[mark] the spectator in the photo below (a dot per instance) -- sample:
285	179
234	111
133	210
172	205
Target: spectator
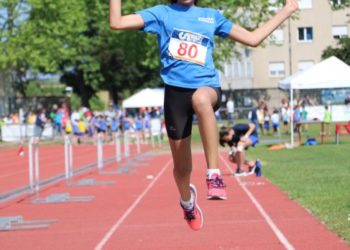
286	118
230	107
275	120
347	100
267	119
303	115
297	121
58	118
31	118
253	117
260	116
8	120
40	122
327	119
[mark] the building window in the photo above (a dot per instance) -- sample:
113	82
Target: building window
337	3
339	31
276	69
303	65
227	70
247	53
249	69
236	70
305	4
277	37
305	34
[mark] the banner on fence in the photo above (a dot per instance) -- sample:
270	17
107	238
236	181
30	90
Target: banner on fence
12	133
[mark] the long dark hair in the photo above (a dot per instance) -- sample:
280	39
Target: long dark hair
175	1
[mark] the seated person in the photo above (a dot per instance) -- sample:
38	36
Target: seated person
240	137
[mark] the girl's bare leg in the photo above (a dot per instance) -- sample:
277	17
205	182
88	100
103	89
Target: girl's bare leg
203	101
181	152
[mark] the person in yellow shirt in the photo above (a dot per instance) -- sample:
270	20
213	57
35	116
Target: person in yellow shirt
327	119
31	118
82	130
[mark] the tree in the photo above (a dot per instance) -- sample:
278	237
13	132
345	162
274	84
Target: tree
73	38
342	51
37	35
339	4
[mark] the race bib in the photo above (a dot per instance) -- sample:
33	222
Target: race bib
188	46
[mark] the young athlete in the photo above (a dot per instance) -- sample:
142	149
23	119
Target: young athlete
185	35
239	137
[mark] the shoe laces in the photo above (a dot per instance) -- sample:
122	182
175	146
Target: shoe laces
189	213
216	183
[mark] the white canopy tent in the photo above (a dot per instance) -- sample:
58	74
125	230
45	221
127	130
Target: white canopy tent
329	73
145	98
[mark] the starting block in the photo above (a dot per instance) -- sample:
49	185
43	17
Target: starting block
13	223
341	129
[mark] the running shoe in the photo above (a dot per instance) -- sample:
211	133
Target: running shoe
240	172
258	168
251	170
216	188
194	216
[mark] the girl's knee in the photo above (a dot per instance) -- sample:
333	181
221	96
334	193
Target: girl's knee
201	102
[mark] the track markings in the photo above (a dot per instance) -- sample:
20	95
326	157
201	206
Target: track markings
117	224
263	213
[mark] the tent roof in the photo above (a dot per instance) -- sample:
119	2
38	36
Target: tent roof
145	98
330	73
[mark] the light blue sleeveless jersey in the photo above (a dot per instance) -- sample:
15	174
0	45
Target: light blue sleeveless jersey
186	41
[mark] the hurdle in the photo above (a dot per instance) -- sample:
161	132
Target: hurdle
138	142
68	158
101	161
99	145
34	169
34	174
118	153
155	131
126	144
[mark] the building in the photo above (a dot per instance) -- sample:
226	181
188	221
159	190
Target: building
296	45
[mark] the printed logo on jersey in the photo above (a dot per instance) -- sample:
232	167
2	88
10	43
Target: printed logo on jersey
188	46
206	20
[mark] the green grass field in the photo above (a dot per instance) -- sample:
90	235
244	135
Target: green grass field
317	177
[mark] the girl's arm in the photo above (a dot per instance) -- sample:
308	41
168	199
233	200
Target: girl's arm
250	130
255	37
119	22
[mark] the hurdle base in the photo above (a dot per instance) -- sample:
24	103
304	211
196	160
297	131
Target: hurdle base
91	182
61	198
15	223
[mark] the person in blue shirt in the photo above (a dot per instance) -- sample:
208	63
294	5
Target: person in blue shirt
185	35
101	126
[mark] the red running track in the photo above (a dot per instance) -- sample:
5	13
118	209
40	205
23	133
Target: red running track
140	212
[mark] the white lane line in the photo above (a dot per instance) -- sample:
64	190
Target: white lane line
114	228
264	214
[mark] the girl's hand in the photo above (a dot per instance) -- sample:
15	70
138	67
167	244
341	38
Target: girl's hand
291	6
244	139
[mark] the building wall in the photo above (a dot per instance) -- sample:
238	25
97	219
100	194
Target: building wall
320	17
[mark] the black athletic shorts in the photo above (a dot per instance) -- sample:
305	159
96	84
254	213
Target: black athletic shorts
178	110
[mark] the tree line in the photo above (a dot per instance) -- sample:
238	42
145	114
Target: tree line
72	40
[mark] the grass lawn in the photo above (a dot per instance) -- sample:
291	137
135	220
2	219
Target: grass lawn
317	177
